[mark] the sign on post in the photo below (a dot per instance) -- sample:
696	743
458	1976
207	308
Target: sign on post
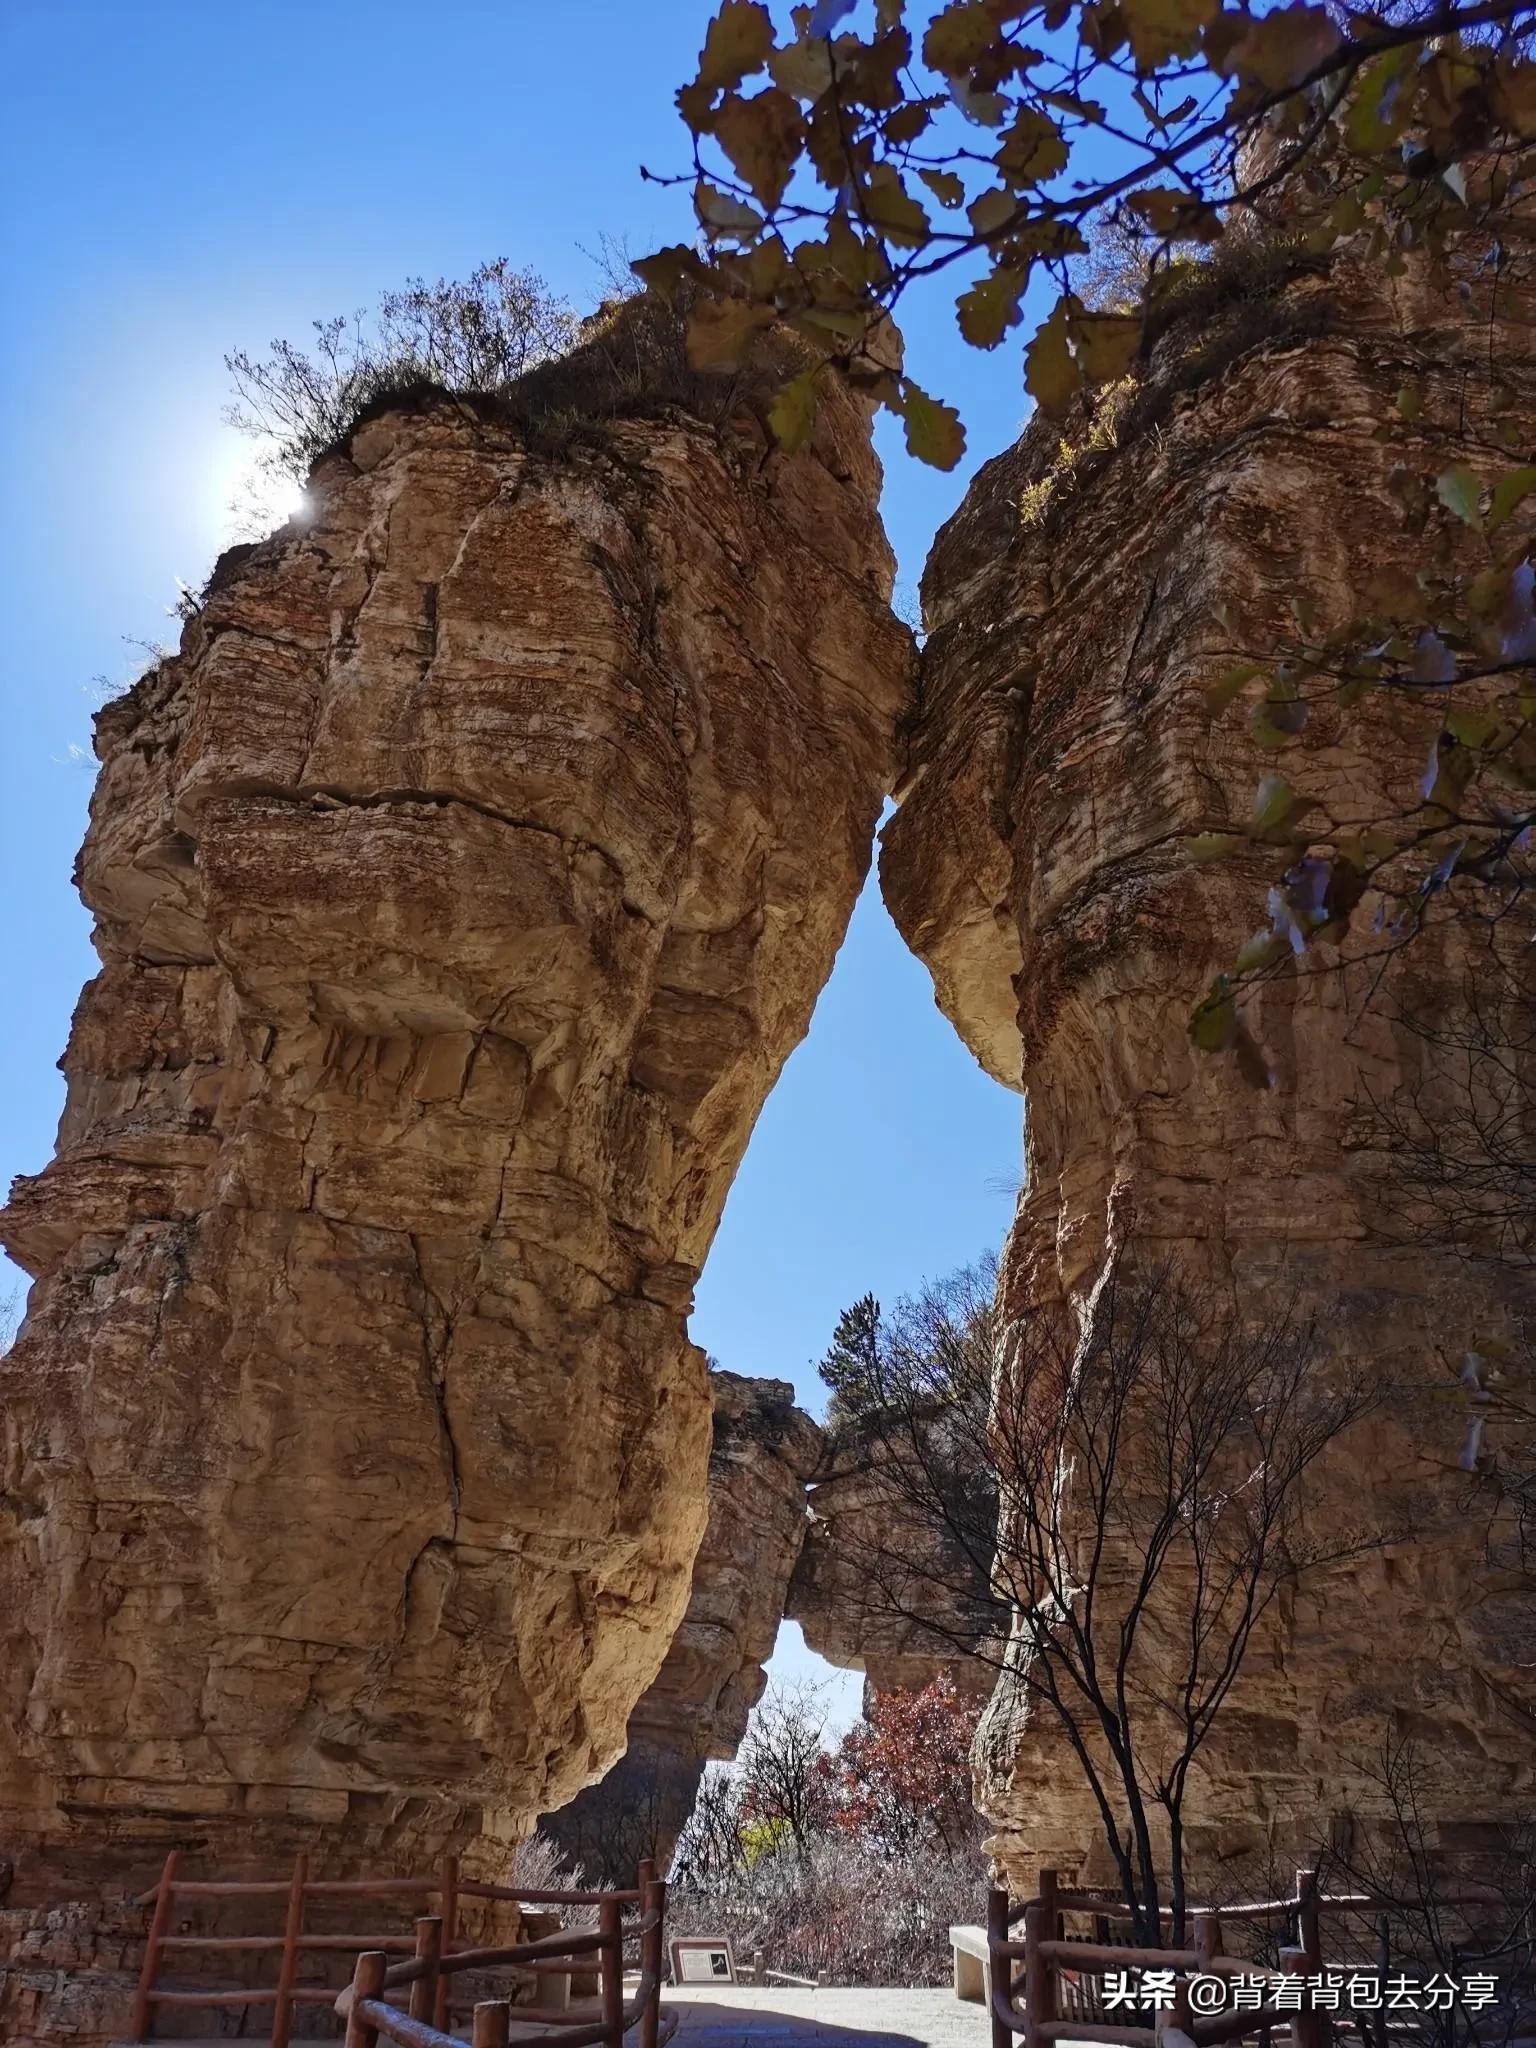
703	1959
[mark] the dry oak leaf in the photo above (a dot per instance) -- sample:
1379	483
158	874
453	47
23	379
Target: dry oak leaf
1032	150
992	211
762	138
736	43
1160	29
664	271
720	331
934	432
1282	48
959	37
792	416
990	307
890	207
1051	373
805	69
1105	344
948	189
719	214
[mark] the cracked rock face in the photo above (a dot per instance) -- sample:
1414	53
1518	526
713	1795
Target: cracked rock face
460	888
764	1449
1063	750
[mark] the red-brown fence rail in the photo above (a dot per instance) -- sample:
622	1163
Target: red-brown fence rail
1047	1970
288	1990
369	2015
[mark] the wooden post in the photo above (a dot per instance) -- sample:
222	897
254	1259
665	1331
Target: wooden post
288	1968
1049	1886
1179	2016
367	1982
429	1950
999	1977
611	1970
1311	2030
493	2021
1052	1927
1384	1959
449	1888
759	1967
1309	1919
1207	1940
142	2022
1307	2026
1039	1975
652	1899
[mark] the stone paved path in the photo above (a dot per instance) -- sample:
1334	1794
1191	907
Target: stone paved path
745	2018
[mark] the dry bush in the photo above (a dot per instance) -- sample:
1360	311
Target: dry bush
475	335
844	1907
507	350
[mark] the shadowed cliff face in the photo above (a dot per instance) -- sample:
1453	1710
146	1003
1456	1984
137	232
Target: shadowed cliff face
903	1610
762	1452
460	887
1062	751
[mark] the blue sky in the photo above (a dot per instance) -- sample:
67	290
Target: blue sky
182	178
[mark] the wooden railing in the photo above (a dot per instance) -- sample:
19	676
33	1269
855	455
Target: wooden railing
1050	1962
369	2014
761	1974
287	1991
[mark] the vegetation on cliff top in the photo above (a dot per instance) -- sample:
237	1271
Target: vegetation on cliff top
498	342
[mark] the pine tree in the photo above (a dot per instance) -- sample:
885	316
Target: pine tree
851	1367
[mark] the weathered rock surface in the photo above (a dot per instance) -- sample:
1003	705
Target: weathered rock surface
856	1603
1036	864
460	888
798	1517
763	1452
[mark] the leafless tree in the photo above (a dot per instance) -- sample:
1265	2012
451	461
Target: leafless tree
479	334
848	1908
636	1811
1145	1501
713	1844
543	1866
778	1760
1460	1145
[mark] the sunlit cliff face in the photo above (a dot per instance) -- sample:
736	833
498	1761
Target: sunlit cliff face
461	886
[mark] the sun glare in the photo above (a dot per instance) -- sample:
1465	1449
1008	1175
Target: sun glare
247	502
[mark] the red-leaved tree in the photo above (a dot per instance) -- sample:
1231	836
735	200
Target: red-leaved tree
901	1777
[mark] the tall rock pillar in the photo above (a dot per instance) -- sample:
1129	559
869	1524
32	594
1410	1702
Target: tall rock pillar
460	888
1077	603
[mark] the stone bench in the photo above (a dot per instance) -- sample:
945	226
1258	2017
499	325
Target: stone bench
972	1965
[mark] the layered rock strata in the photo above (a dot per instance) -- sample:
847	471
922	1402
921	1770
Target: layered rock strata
1076	604
460	888
901	1619
764	1450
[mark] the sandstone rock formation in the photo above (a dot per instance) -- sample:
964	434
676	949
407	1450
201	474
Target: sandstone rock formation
1035	863
763	1451
854	1604
794	1534
460	887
